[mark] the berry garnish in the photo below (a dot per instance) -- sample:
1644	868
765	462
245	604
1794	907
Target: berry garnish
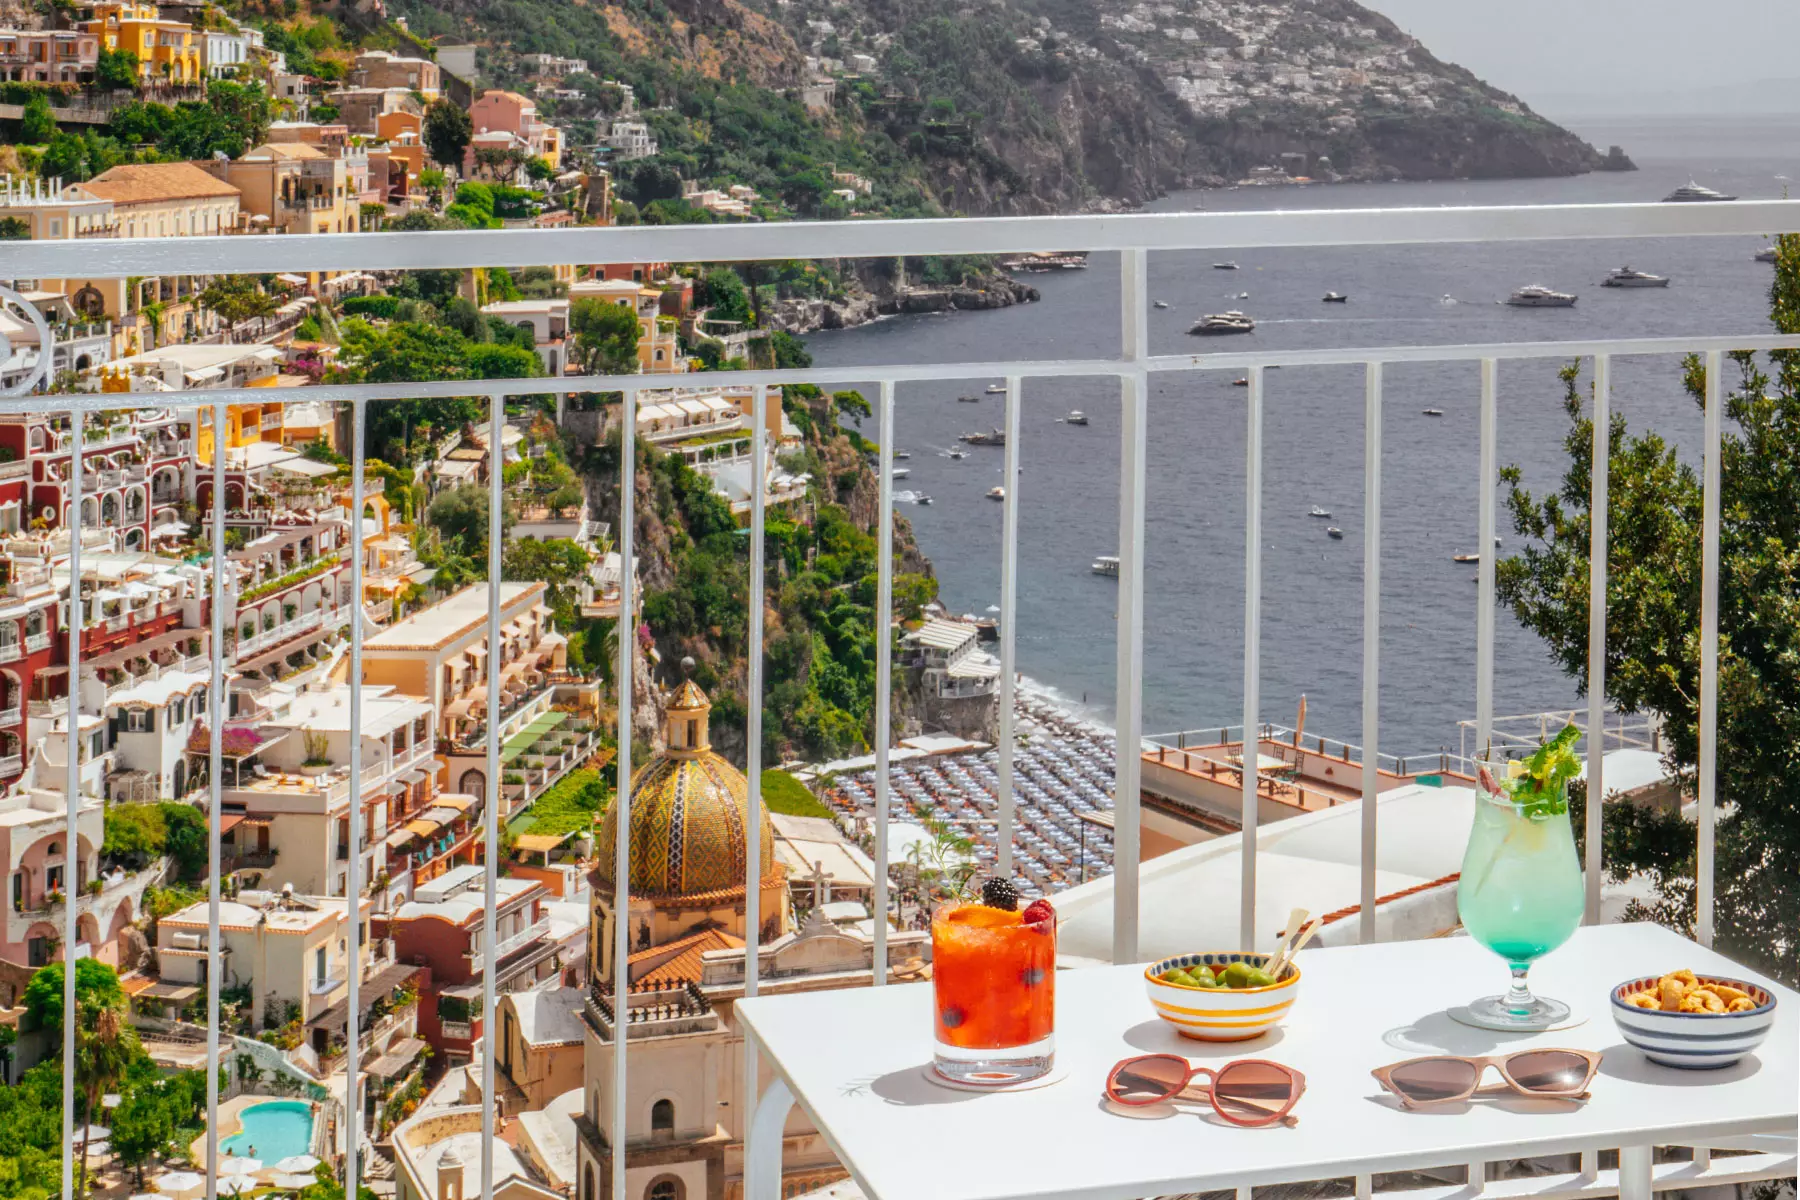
1038	912
1001	894
1031	976
951	1017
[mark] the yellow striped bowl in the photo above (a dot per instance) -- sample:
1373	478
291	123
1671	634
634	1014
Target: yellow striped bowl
1220	1014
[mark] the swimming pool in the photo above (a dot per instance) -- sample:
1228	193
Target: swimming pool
272	1131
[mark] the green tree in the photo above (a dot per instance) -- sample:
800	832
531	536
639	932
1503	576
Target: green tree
116	71
142	1128
446	132
14	229
461	516
410	352
96	987
105	1046
236	299
36	124
606	337
1653	635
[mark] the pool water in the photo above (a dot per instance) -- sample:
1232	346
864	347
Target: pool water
272	1131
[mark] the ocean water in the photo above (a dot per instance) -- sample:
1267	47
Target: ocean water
1312	442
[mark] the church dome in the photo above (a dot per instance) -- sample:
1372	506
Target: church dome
690	815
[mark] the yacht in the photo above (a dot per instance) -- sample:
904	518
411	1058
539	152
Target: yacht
1433	412
958	452
968	399
1625	277
1162	304
901	473
1465	558
1691	192
1336	298
1107	564
1225	322
996	493
1767	254
1225	266
1318	512
994	438
1536	295
923	499
996	389
1241	381
1075	417
1334	533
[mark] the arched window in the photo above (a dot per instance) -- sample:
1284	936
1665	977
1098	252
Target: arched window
666	1188
587	1184
662	1117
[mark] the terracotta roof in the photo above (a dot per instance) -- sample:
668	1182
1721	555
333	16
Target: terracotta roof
150	183
287	150
679	961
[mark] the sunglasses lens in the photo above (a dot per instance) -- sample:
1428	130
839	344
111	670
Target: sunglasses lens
1433	1079
1548	1071
1252	1091
1153	1077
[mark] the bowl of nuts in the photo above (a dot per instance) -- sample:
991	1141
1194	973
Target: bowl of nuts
1693	1021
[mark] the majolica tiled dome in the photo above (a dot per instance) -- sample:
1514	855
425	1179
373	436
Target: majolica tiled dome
690	812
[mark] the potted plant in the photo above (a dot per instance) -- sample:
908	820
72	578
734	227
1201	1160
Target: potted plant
318	752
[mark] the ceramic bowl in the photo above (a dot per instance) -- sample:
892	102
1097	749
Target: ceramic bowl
1695	1041
1220	1014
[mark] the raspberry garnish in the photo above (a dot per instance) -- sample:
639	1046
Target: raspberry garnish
1038	912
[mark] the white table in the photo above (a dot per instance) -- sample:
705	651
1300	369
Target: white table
852	1059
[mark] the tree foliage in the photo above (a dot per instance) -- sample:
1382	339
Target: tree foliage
447	132
606	336
1654	585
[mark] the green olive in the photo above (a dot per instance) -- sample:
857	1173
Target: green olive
1174	975
1237	975
1260	978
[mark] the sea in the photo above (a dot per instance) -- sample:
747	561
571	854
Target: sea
1311	595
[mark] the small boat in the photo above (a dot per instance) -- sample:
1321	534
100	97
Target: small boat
902	472
996	389
1692	193
1106	564
1241	296
968	399
1221	323
1335	298
1447	298
923	499
903	454
1434	412
1318	512
958	452
1161	304
1625	277
996	493
993	438
1241	381
1767	254
1536	295
1334	533
1225	266
1075	417
1465	558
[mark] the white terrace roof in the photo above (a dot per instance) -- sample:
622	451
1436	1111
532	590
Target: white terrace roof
942	635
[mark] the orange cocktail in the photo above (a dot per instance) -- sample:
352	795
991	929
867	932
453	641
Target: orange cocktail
994	977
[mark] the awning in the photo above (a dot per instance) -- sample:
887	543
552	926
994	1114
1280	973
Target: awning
397	1060
230	821
541	843
457	800
179	993
296	280
423	827
386	980
396	840
442	814
414	777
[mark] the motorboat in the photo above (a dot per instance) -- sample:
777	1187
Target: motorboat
1625	277
902	453
1465	558
1691	193
996	389
1241	296
1225	266
1160	304
923	499
958	452
1075	417
1221	323
1334	533
1107	564
993	438
996	493
1536	295
968	399
1766	254
1434	412
901	472
1318	512
1335	298
1241	381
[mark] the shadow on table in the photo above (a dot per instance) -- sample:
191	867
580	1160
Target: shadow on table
910	1088
1439	1033
1166	1110
1629	1063
1156	1037
1497	1096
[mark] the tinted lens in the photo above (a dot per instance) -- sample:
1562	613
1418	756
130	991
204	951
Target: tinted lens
1433	1079
1548	1071
1144	1080
1252	1091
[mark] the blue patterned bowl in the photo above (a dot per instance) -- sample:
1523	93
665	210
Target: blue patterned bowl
1694	1041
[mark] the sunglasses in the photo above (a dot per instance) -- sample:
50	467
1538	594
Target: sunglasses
1250	1091
1445	1079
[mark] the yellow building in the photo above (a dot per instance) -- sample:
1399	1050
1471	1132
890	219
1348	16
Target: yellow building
292	187
167	51
244	424
659	353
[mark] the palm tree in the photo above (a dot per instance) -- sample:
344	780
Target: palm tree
105	1046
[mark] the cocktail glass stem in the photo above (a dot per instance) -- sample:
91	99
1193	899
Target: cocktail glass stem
1518	997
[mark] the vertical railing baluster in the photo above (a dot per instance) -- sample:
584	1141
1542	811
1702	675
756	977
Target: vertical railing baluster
1249	773
1009	597
353	875
884	669
1600	467
753	727
622	792
1371	682
1128	686
71	830
1709	646
1484	570
224	588
490	849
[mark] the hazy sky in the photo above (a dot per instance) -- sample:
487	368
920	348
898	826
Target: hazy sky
1642	46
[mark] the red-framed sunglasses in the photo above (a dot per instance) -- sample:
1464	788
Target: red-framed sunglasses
1250	1091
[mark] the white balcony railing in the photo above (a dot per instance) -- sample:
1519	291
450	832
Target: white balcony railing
1133	239
538	929
36	641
